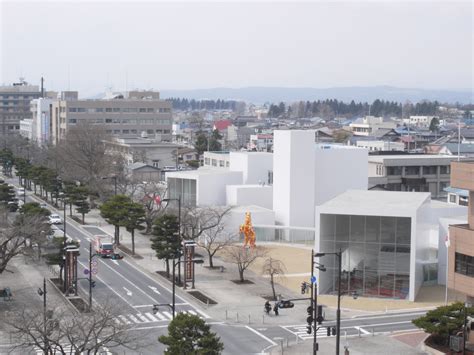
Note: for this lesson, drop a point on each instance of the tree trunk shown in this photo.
(241, 274)
(273, 287)
(149, 226)
(117, 236)
(70, 209)
(167, 268)
(83, 217)
(35, 189)
(133, 241)
(211, 263)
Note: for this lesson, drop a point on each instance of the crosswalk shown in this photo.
(301, 332)
(150, 317)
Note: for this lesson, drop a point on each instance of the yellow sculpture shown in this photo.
(248, 231)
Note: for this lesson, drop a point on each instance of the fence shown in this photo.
(284, 234)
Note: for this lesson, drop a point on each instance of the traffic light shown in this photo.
(319, 317)
(328, 329)
(309, 320)
(334, 330)
(331, 331)
(286, 304)
(303, 288)
(92, 283)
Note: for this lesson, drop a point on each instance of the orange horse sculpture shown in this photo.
(247, 230)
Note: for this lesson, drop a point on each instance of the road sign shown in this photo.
(313, 279)
(95, 270)
(86, 271)
(94, 263)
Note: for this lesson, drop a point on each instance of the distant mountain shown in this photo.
(261, 95)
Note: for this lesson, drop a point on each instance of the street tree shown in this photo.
(434, 124)
(166, 241)
(273, 268)
(115, 211)
(189, 334)
(244, 257)
(79, 199)
(7, 197)
(20, 238)
(134, 220)
(444, 321)
(66, 333)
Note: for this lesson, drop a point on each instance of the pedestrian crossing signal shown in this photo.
(92, 283)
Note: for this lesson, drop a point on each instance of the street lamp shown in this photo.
(115, 182)
(43, 292)
(339, 293)
(314, 300)
(172, 306)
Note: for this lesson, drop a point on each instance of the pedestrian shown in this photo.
(268, 307)
(275, 309)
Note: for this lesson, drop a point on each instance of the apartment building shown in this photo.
(411, 172)
(368, 125)
(461, 236)
(15, 105)
(138, 114)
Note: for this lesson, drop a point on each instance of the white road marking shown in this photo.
(154, 289)
(362, 330)
(143, 306)
(168, 314)
(190, 311)
(143, 318)
(134, 319)
(114, 261)
(131, 283)
(125, 320)
(202, 313)
(160, 316)
(152, 317)
(127, 291)
(98, 278)
(261, 335)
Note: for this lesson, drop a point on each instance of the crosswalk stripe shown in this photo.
(192, 312)
(153, 318)
(168, 315)
(133, 318)
(124, 319)
(160, 316)
(143, 318)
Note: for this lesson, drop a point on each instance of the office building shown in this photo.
(138, 114)
(15, 105)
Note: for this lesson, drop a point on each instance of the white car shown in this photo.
(54, 219)
(43, 205)
(21, 191)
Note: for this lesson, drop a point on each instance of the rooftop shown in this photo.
(382, 158)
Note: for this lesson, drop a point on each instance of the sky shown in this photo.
(89, 46)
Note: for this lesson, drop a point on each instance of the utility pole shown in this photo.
(338, 312)
(313, 304)
(90, 277)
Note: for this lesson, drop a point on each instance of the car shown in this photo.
(54, 219)
(21, 191)
(43, 205)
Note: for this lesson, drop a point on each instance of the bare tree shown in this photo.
(215, 239)
(196, 221)
(66, 333)
(147, 195)
(21, 238)
(244, 257)
(273, 268)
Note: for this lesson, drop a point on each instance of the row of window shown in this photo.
(464, 264)
(134, 131)
(118, 110)
(415, 170)
(17, 97)
(150, 121)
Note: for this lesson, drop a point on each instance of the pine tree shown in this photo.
(166, 241)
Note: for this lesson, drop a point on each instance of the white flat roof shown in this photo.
(381, 158)
(186, 174)
(376, 203)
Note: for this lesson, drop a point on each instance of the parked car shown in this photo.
(43, 205)
(54, 219)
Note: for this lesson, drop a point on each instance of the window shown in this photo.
(72, 121)
(442, 186)
(116, 131)
(159, 131)
(226, 164)
(221, 163)
(444, 169)
(214, 162)
(464, 264)
(116, 109)
(100, 109)
(166, 131)
(142, 110)
(149, 131)
(80, 109)
(207, 161)
(90, 110)
(429, 170)
(133, 131)
(125, 131)
(72, 109)
(452, 198)
(108, 109)
(464, 201)
(394, 170)
(150, 110)
(156, 163)
(412, 170)
(270, 177)
(108, 120)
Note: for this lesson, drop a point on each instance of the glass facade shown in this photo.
(375, 254)
(186, 188)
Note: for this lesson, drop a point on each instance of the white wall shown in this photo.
(241, 195)
(338, 169)
(420, 248)
(236, 217)
(211, 188)
(254, 165)
(293, 177)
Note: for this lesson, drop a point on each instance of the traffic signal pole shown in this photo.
(90, 277)
(314, 304)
